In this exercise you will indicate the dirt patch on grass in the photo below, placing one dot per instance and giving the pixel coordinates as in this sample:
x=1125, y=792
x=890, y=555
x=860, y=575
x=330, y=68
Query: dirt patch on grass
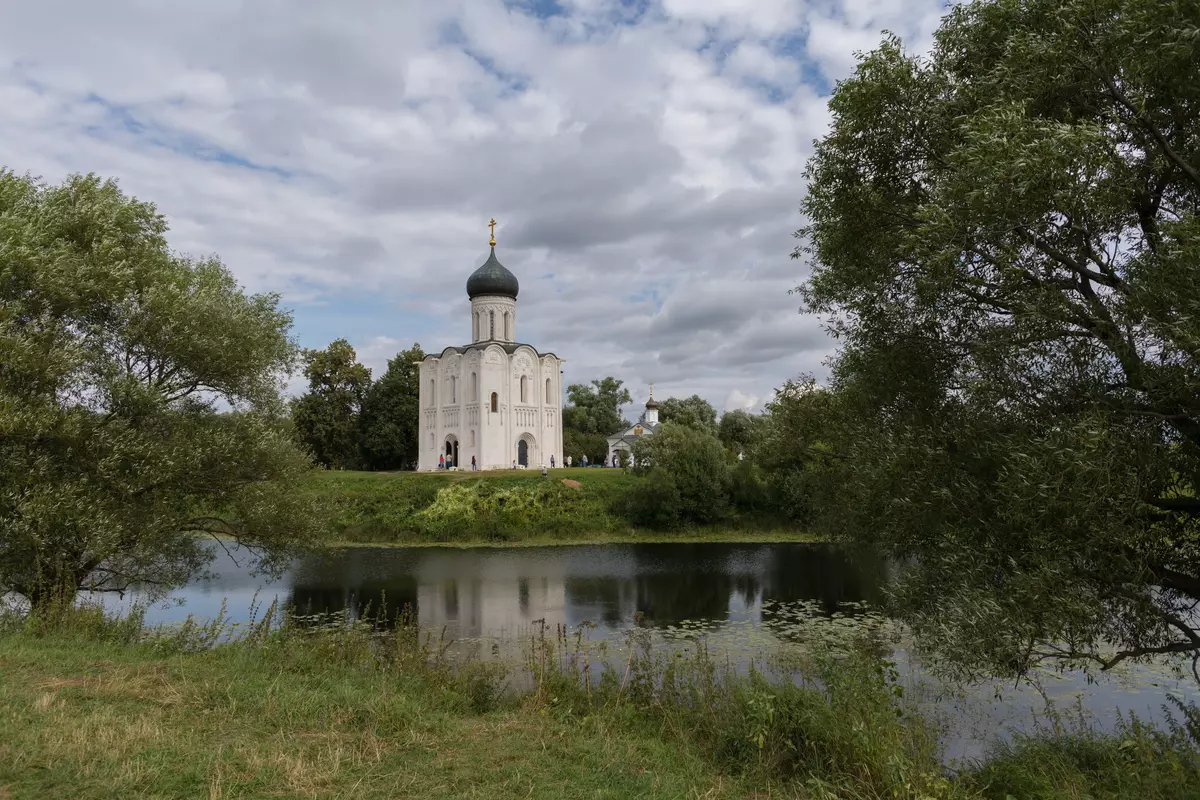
x=570, y=484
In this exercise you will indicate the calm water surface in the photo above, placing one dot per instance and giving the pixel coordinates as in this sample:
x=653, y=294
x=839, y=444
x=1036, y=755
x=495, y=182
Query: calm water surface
x=745, y=601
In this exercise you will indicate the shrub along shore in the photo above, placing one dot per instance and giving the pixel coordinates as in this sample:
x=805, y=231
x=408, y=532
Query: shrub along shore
x=94, y=707
x=512, y=507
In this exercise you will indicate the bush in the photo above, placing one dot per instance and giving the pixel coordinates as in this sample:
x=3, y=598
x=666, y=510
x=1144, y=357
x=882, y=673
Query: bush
x=748, y=491
x=695, y=460
x=654, y=502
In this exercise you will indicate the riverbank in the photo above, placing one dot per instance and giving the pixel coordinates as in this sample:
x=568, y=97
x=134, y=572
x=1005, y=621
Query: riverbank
x=92, y=709
x=505, y=508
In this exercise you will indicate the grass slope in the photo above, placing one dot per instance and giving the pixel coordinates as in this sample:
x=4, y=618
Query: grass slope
x=89, y=720
x=501, y=507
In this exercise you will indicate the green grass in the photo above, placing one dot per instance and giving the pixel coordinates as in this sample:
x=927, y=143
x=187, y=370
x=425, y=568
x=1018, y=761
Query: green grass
x=503, y=508
x=91, y=708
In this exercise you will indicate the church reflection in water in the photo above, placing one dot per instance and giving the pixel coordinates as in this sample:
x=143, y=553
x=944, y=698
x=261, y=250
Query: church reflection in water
x=496, y=593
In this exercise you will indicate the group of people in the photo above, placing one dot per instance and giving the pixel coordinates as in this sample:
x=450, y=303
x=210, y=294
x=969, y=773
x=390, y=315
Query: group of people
x=448, y=463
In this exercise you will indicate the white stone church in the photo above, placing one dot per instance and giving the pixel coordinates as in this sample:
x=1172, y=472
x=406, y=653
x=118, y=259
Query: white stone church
x=494, y=400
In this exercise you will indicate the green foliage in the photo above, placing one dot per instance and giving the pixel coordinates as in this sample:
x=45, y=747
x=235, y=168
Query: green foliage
x=331, y=706
x=655, y=501
x=596, y=409
x=1005, y=235
x=748, y=489
x=384, y=508
x=797, y=465
x=114, y=355
x=693, y=412
x=576, y=445
x=390, y=420
x=481, y=507
x=327, y=415
x=696, y=464
x=740, y=430
x=462, y=507
x=1135, y=761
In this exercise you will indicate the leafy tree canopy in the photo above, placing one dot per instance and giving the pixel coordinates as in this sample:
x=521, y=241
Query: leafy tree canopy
x=1006, y=238
x=739, y=429
x=694, y=412
x=390, y=420
x=115, y=354
x=327, y=415
x=695, y=462
x=596, y=409
x=593, y=445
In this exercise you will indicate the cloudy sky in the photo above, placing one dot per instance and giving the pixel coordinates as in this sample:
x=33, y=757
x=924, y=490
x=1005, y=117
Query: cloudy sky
x=643, y=159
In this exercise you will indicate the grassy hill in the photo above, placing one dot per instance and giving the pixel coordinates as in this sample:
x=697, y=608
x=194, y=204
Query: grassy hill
x=509, y=506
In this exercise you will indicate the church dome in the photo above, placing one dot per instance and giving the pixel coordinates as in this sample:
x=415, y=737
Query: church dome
x=651, y=403
x=492, y=278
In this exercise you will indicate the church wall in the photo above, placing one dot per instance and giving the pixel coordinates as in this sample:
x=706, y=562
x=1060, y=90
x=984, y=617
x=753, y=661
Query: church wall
x=551, y=411
x=494, y=426
x=451, y=408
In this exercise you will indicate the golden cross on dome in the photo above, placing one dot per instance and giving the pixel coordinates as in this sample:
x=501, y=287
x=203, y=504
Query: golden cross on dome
x=492, y=225
x=651, y=390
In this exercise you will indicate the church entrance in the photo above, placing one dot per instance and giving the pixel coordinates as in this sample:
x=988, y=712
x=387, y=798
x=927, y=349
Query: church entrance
x=523, y=453
x=451, y=452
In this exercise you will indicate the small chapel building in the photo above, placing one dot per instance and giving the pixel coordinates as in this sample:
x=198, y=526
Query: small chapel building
x=495, y=400
x=622, y=441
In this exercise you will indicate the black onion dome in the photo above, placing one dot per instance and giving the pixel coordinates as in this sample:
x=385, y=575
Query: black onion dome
x=492, y=278
x=651, y=403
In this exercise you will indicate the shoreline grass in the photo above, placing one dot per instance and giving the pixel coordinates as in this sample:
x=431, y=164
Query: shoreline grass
x=94, y=707
x=633, y=536
x=506, y=508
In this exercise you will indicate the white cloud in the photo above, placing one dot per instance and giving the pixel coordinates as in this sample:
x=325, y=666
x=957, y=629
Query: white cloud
x=738, y=400
x=645, y=162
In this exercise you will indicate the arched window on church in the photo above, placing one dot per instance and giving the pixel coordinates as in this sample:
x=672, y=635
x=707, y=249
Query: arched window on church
x=547, y=391
x=492, y=324
x=472, y=437
x=432, y=392
x=453, y=389
x=524, y=389
x=474, y=387
x=474, y=327
x=495, y=401
x=507, y=327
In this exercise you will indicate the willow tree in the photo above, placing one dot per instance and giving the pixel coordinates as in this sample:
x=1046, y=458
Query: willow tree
x=1004, y=234
x=140, y=404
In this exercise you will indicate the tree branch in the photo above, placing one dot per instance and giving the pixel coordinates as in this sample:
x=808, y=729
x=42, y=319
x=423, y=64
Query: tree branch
x=1155, y=133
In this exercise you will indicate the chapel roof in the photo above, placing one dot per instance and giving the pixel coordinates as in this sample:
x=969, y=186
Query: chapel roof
x=492, y=278
x=626, y=436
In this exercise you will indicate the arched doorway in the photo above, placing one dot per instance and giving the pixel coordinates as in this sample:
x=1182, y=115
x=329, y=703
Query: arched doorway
x=451, y=451
x=527, y=453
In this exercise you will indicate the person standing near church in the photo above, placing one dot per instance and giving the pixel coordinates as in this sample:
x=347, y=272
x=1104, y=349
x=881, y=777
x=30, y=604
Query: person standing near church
x=473, y=467
x=551, y=462
x=584, y=462
x=568, y=462
x=441, y=462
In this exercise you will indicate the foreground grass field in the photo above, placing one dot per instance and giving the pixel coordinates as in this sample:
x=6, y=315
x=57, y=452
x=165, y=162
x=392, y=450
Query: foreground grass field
x=94, y=710
x=504, y=508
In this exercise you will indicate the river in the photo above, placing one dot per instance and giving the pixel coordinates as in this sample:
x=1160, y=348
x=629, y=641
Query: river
x=744, y=600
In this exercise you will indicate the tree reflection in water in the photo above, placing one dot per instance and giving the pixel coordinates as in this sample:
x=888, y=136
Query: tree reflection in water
x=482, y=592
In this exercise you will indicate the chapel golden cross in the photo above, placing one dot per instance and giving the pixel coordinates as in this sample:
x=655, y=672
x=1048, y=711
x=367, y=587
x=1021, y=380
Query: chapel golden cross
x=651, y=390
x=492, y=225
